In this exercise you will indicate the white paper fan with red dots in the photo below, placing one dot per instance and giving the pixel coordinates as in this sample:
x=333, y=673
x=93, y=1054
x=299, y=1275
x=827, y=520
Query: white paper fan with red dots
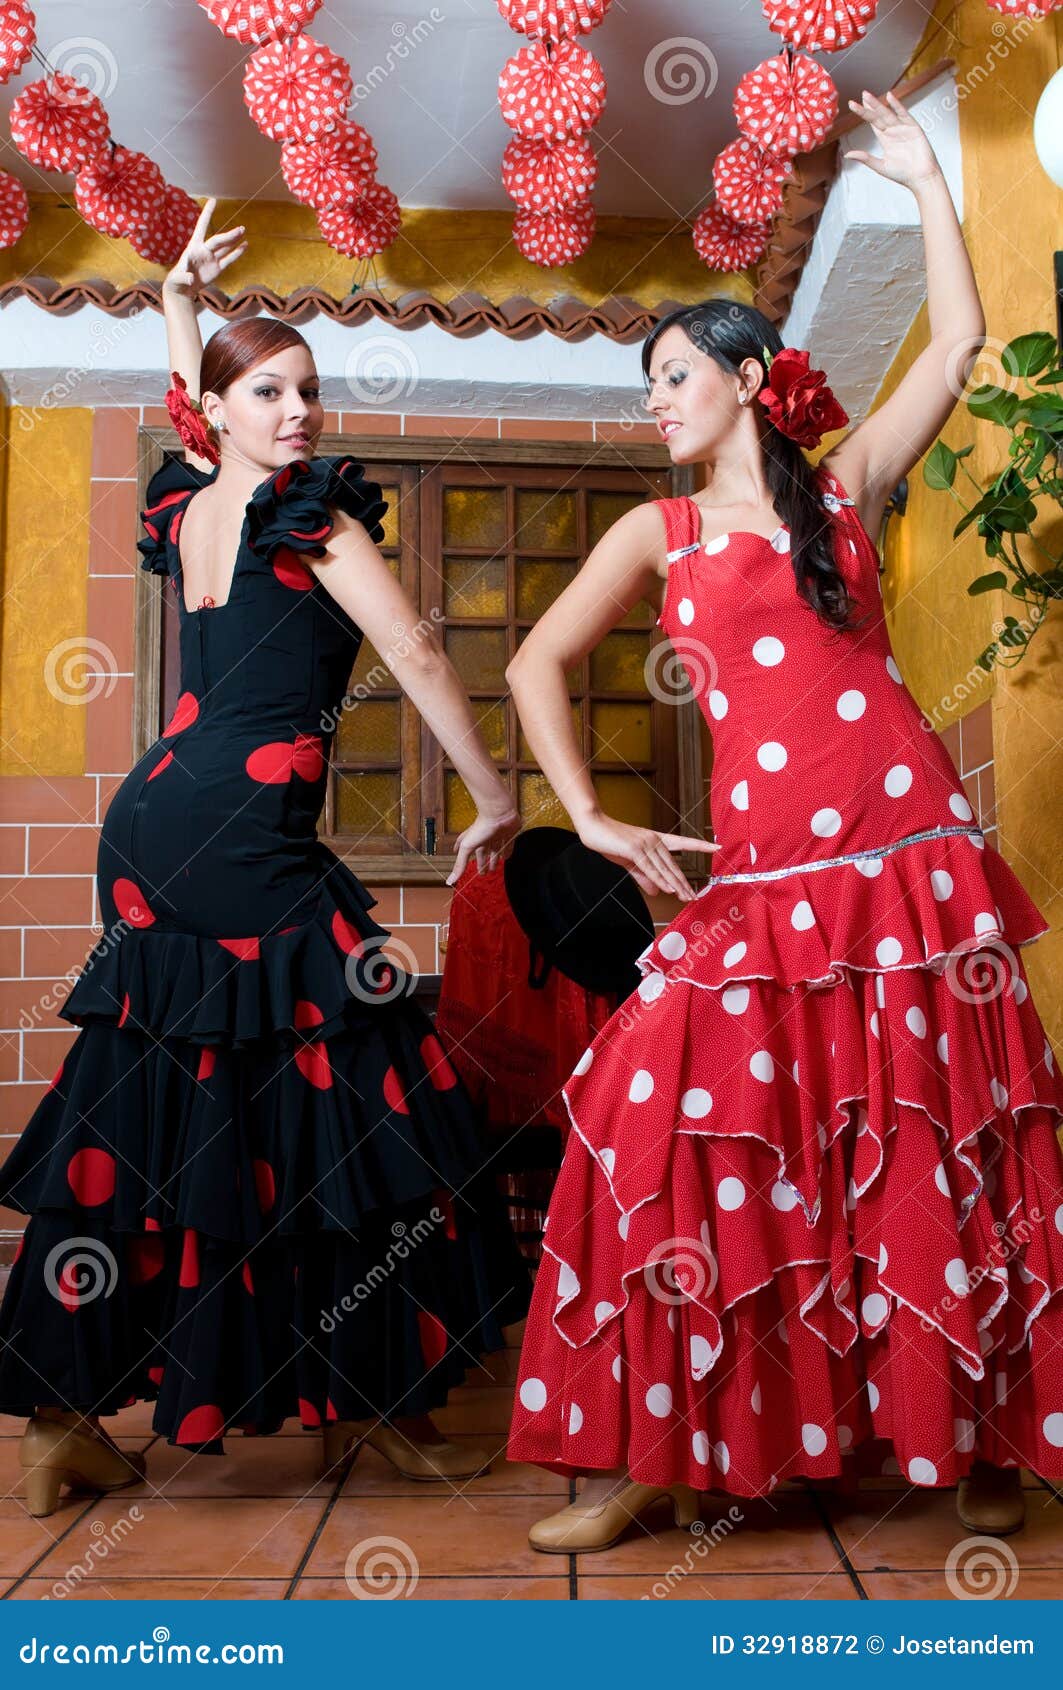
x=553, y=19
x=14, y=209
x=255, y=21
x=365, y=227
x=748, y=181
x=548, y=175
x=1026, y=8
x=820, y=26
x=120, y=191
x=166, y=234
x=788, y=106
x=550, y=238
x=548, y=94
x=58, y=123
x=296, y=90
x=18, y=34
x=332, y=170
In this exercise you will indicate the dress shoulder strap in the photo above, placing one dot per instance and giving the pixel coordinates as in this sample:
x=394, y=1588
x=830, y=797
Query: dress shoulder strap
x=682, y=523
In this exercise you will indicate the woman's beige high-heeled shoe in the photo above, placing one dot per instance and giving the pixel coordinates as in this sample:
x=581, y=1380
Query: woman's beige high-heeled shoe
x=584, y=1526
x=412, y=1457
x=70, y=1450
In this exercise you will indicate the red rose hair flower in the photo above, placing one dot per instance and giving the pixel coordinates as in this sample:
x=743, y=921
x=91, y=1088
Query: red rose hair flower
x=190, y=421
x=798, y=401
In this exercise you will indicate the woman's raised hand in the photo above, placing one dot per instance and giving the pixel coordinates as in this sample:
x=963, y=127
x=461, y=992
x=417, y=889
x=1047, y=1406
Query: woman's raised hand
x=907, y=156
x=205, y=256
x=645, y=853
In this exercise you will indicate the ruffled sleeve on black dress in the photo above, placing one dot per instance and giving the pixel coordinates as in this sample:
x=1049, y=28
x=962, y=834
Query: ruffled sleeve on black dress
x=168, y=488
x=294, y=506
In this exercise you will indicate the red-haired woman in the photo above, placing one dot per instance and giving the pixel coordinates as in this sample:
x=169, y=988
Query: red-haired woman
x=256, y=1185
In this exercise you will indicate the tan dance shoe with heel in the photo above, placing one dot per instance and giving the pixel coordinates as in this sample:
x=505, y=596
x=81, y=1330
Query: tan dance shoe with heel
x=414, y=1458
x=598, y=1525
x=991, y=1500
x=70, y=1450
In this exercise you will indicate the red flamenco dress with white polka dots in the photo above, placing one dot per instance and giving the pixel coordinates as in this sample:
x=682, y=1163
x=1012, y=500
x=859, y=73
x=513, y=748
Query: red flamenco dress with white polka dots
x=810, y=1216
x=253, y=1185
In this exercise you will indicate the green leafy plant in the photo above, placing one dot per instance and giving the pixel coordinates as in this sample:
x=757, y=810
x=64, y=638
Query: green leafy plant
x=1007, y=507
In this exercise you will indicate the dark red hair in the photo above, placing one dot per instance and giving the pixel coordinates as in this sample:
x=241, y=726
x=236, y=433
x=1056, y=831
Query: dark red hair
x=241, y=346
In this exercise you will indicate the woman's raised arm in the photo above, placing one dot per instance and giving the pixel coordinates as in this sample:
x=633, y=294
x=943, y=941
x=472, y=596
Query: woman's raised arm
x=202, y=261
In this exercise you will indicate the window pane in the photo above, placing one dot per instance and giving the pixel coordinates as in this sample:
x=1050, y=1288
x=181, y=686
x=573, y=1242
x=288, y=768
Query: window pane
x=370, y=673
x=474, y=587
x=369, y=730
x=627, y=797
x=479, y=655
x=603, y=509
x=459, y=807
x=618, y=664
x=491, y=715
x=545, y=521
x=539, y=807
x=474, y=516
x=539, y=584
x=392, y=517
x=367, y=804
x=525, y=753
x=620, y=733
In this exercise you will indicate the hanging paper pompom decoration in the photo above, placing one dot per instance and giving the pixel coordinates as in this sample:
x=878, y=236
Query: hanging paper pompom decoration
x=296, y=89
x=1026, y=8
x=723, y=244
x=546, y=95
x=165, y=236
x=18, y=34
x=255, y=21
x=58, y=123
x=748, y=181
x=550, y=238
x=332, y=170
x=548, y=175
x=120, y=191
x=820, y=26
x=787, y=105
x=14, y=209
x=553, y=18
x=364, y=228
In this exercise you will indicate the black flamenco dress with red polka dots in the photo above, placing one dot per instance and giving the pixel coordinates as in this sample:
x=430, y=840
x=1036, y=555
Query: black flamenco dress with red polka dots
x=256, y=1186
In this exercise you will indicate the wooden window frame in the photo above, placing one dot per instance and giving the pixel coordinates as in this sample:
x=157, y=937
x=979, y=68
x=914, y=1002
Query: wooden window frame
x=412, y=867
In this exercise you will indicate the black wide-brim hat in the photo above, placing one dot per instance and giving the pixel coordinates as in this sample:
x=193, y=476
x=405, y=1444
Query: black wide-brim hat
x=583, y=914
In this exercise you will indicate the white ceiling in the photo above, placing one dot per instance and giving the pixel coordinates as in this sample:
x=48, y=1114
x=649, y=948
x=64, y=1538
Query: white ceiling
x=172, y=84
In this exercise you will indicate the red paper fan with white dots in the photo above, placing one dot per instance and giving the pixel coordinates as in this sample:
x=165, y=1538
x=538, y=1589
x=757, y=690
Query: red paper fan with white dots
x=333, y=170
x=364, y=228
x=547, y=93
x=748, y=181
x=120, y=191
x=18, y=34
x=1026, y=8
x=165, y=236
x=550, y=238
x=296, y=89
x=723, y=244
x=14, y=209
x=553, y=18
x=58, y=123
x=548, y=175
x=819, y=26
x=255, y=21
x=786, y=105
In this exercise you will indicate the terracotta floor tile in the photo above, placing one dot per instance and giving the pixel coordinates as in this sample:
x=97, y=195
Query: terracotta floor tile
x=723, y=1587
x=1033, y=1584
x=238, y=1539
x=23, y=1540
x=484, y=1408
x=373, y=1475
x=447, y=1590
x=103, y=1587
x=916, y=1531
x=460, y=1536
x=262, y=1467
x=786, y=1536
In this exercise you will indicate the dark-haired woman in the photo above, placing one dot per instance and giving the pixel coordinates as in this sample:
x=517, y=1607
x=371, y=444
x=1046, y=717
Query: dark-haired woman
x=809, y=1222
x=256, y=1184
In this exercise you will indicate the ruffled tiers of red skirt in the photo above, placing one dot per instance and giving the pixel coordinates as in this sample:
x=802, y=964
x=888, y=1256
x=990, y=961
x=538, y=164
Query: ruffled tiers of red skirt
x=811, y=1211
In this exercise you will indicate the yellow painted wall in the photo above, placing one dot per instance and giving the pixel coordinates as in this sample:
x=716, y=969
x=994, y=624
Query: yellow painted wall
x=1013, y=222
x=45, y=472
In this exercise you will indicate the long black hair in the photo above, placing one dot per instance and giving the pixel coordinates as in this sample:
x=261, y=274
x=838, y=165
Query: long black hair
x=731, y=332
